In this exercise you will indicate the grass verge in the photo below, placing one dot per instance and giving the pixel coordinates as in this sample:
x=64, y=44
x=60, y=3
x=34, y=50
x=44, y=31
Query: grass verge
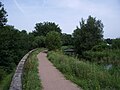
x=88, y=76
x=31, y=79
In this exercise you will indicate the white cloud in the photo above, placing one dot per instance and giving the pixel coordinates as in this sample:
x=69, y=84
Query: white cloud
x=67, y=13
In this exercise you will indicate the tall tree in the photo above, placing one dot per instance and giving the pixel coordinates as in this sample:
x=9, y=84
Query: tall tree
x=41, y=29
x=13, y=45
x=8, y=45
x=89, y=34
x=3, y=15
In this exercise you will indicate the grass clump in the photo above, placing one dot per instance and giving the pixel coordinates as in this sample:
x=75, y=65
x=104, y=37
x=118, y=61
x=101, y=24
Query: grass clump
x=89, y=76
x=31, y=79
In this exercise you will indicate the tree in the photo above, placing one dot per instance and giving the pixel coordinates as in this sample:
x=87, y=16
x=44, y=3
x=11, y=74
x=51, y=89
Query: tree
x=39, y=41
x=116, y=43
x=8, y=45
x=53, y=40
x=67, y=39
x=13, y=46
x=108, y=40
x=3, y=15
x=88, y=35
x=41, y=29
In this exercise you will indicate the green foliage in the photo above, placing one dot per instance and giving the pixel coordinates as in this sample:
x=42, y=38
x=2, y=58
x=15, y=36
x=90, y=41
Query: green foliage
x=39, y=41
x=13, y=45
x=66, y=47
x=53, y=40
x=67, y=39
x=88, y=35
x=87, y=75
x=116, y=43
x=103, y=57
x=41, y=29
x=25, y=40
x=3, y=15
x=5, y=83
x=32, y=43
x=108, y=40
x=7, y=44
x=30, y=76
x=101, y=47
x=2, y=73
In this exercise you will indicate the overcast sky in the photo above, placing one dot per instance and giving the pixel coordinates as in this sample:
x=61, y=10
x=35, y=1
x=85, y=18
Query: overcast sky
x=24, y=14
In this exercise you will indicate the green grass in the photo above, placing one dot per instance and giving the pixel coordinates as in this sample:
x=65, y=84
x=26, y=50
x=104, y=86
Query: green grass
x=31, y=79
x=89, y=76
x=5, y=83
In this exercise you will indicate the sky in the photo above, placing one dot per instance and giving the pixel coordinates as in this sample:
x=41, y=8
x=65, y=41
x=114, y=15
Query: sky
x=24, y=14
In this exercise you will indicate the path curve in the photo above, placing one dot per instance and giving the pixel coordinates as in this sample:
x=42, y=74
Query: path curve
x=51, y=78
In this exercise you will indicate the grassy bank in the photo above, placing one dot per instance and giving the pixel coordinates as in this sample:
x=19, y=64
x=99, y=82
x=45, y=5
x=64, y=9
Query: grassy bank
x=5, y=83
x=88, y=76
x=31, y=79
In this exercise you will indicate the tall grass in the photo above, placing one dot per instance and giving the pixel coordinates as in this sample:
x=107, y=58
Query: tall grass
x=104, y=57
x=88, y=76
x=31, y=79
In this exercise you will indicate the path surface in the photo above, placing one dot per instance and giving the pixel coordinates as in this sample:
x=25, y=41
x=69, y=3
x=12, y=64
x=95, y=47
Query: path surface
x=51, y=78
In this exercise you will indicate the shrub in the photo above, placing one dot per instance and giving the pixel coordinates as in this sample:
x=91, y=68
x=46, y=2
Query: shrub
x=105, y=56
x=100, y=47
x=53, y=40
x=116, y=43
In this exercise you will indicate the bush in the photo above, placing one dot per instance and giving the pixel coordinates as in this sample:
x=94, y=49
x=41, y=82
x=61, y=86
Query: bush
x=105, y=56
x=53, y=40
x=39, y=41
x=100, y=47
x=116, y=43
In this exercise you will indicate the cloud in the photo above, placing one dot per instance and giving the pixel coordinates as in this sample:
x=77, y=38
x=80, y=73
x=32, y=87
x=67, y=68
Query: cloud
x=67, y=13
x=71, y=4
x=18, y=6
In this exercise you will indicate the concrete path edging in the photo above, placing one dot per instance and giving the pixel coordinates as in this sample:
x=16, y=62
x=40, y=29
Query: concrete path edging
x=16, y=83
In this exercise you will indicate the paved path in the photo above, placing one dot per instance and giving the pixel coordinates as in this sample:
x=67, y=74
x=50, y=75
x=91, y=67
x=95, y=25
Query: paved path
x=50, y=77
